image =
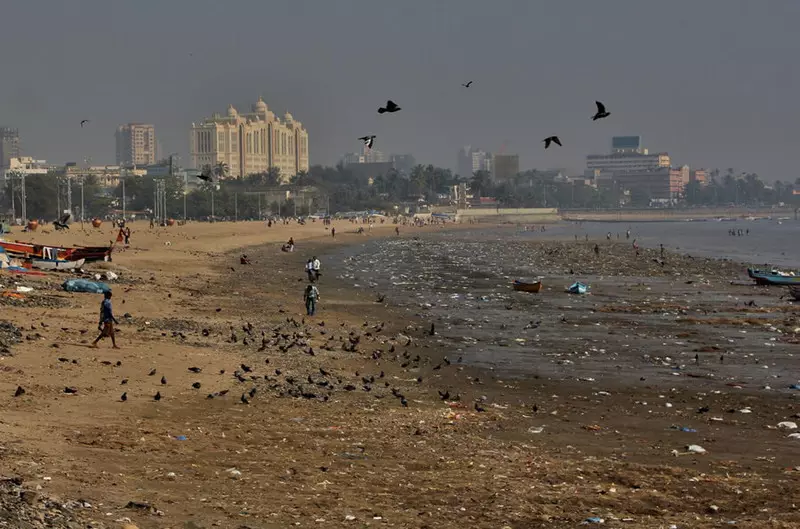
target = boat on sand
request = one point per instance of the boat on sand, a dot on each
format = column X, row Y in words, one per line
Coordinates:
column 522, row 286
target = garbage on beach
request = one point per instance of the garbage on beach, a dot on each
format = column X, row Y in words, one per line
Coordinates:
column 578, row 288
column 84, row 285
column 107, row 276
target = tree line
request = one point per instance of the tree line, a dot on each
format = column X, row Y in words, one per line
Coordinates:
column 340, row 188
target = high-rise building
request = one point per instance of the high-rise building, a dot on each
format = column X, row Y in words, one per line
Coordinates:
column 504, row 167
column 627, row 145
column 627, row 154
column 700, row 176
column 9, row 146
column 471, row 160
column 251, row 143
column 136, row 144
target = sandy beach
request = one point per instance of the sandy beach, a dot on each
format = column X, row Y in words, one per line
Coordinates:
column 358, row 417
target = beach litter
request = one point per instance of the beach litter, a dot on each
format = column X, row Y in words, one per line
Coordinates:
column 787, row 425
column 84, row 285
column 695, row 449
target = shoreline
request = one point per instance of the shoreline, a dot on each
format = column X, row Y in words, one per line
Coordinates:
column 369, row 446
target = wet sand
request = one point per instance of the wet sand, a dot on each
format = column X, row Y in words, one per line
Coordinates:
column 326, row 439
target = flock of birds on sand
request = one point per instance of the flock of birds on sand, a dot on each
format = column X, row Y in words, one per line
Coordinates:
column 392, row 107
column 319, row 383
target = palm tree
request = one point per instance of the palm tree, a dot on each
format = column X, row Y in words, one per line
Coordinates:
column 481, row 182
column 221, row 170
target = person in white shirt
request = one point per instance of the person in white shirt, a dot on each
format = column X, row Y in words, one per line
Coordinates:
column 310, row 270
column 315, row 266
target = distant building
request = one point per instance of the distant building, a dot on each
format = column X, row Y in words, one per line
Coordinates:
column 108, row 176
column 616, row 162
column 251, row 143
column 471, row 160
column 9, row 146
column 661, row 184
column 504, row 167
column 700, row 176
column 679, row 179
column 136, row 144
column 627, row 145
column 403, row 163
column 24, row 165
column 367, row 155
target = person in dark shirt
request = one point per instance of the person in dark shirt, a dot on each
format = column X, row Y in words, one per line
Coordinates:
column 107, row 321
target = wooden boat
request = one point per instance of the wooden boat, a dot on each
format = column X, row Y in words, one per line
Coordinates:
column 26, row 250
column 56, row 264
column 794, row 291
column 772, row 278
column 521, row 286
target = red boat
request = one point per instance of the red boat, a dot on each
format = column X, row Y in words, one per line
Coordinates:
column 26, row 250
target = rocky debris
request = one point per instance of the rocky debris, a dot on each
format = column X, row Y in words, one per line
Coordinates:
column 10, row 334
column 27, row 509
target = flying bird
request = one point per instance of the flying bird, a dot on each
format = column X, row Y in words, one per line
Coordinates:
column 551, row 139
column 466, row 85
column 84, row 122
column 390, row 107
column 601, row 111
column 369, row 141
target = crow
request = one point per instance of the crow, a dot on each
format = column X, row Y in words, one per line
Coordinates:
column 84, row 122
column 601, row 111
column 369, row 141
column 124, row 397
column 467, row 84
column 390, row 107
column 157, row 396
column 551, row 139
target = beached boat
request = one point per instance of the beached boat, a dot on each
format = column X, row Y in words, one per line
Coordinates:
column 794, row 291
column 773, row 277
column 521, row 286
column 56, row 264
column 578, row 288
column 26, row 250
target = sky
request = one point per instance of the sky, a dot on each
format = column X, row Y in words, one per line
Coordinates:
column 711, row 82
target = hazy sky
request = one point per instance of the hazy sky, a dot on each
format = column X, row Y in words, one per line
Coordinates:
column 712, row 82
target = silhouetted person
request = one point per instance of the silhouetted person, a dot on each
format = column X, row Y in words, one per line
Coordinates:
column 107, row 321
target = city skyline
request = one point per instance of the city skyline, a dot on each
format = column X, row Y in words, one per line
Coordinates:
column 710, row 100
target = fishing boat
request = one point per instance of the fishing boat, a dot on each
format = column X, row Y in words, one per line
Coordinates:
column 794, row 291
column 56, row 264
column 578, row 288
column 26, row 250
column 773, row 277
column 522, row 286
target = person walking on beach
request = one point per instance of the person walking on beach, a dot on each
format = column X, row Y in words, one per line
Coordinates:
column 333, row 232
column 127, row 236
column 311, row 296
column 662, row 250
column 107, row 321
column 310, row 270
column 315, row 267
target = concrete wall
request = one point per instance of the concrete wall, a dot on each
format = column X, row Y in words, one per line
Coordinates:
column 508, row 214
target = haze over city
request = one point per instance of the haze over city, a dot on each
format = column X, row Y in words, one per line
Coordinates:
column 710, row 82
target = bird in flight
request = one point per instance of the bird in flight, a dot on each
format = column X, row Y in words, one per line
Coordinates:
column 84, row 122
column 368, row 141
column 466, row 85
column 390, row 107
column 551, row 139
column 601, row 111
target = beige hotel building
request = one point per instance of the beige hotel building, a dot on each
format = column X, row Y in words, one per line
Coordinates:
column 251, row 143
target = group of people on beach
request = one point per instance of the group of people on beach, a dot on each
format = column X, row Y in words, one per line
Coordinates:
column 738, row 232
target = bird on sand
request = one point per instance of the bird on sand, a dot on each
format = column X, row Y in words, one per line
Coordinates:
column 20, row 391
column 152, row 372
column 601, row 111
column 84, row 122
column 552, row 139
column 196, row 385
column 124, row 397
column 369, row 141
column 157, row 396
column 390, row 107
column 467, row 84
column 164, row 380
column 195, row 369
